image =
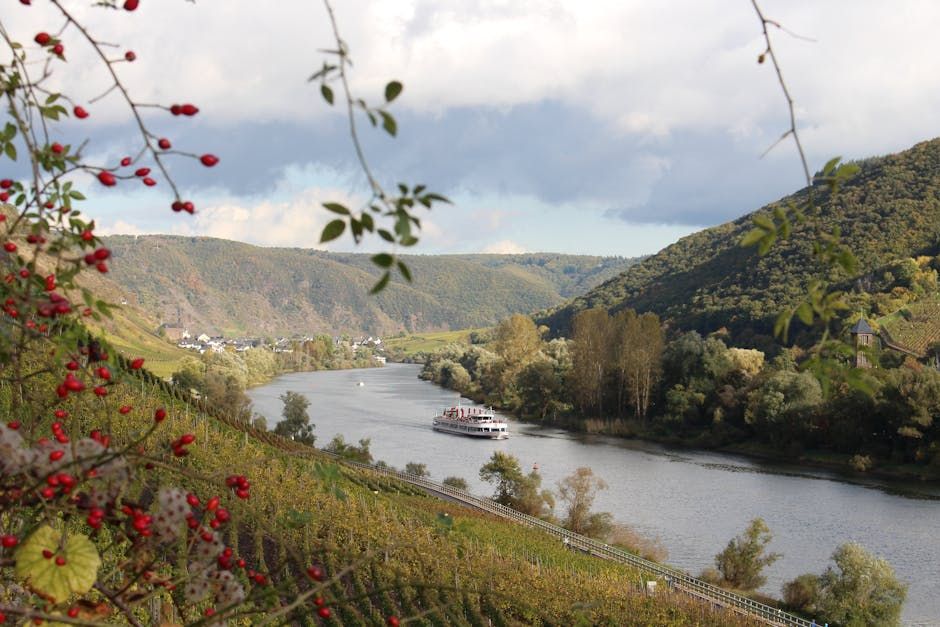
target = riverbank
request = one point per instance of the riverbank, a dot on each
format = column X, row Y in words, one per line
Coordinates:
column 707, row 440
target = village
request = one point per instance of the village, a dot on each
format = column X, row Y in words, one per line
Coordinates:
column 203, row 343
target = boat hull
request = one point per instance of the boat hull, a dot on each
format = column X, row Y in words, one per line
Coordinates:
column 471, row 431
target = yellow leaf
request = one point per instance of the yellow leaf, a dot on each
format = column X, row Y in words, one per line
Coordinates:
column 76, row 575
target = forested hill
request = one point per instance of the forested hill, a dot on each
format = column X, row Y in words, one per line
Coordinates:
column 706, row 281
column 236, row 288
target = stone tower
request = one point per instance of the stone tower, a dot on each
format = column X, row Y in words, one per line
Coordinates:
column 864, row 338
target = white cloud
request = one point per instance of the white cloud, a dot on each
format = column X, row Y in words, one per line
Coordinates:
column 505, row 247
column 120, row 227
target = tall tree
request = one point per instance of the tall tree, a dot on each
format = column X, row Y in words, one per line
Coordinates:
column 514, row 489
column 578, row 490
column 744, row 559
column 296, row 423
column 861, row 590
column 590, row 338
column 517, row 342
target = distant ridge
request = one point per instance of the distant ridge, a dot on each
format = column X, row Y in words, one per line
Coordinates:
column 236, row 288
column 706, row 281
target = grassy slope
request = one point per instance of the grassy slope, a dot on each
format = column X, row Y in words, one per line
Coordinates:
column 416, row 343
column 891, row 209
column 478, row 568
column 916, row 326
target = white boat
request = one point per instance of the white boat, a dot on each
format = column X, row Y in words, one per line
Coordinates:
column 476, row 422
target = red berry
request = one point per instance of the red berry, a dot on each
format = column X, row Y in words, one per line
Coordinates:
column 57, row 148
column 319, row 602
column 164, row 143
column 46, row 553
column 159, row 415
column 315, row 573
column 60, row 414
column 102, row 253
column 42, row 38
column 149, row 182
column 101, row 391
column 177, row 206
column 10, row 247
column 60, row 561
column 142, row 172
column 130, row 56
column 209, row 160
column 188, row 109
column 80, row 113
column 9, row 541
column 175, row 109
column 137, row 363
column 6, row 184
column 126, row 161
column 73, row 612
column 131, row 5
column 193, row 500
column 212, row 503
column 392, row 621
column 107, row 179
column 324, row 612
column 104, row 373
column 102, row 267
column 58, row 50
column 125, row 409
column 189, row 207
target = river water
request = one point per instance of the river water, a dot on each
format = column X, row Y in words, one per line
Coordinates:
column 693, row 501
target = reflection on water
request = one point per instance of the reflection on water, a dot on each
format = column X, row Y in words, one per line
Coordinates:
column 695, row 501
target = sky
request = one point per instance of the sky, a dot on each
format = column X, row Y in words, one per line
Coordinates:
column 608, row 127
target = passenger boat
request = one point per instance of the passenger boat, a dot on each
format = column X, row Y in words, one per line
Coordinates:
column 476, row 422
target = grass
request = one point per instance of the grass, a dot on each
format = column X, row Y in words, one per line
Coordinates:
column 914, row 327
column 418, row 343
column 415, row 553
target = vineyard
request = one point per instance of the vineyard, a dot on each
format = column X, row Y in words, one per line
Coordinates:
column 385, row 547
column 915, row 327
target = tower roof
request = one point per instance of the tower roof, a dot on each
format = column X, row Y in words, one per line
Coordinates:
column 860, row 327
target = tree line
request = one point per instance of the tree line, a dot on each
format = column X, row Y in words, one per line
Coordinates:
column 627, row 374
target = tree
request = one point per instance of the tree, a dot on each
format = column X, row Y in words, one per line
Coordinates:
column 578, row 490
column 638, row 348
column 296, row 423
column 741, row 563
column 590, row 339
column 361, row 453
column 517, row 342
column 417, row 469
column 456, row 482
column 860, row 590
column 515, row 489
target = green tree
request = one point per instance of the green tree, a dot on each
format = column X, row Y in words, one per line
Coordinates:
column 417, row 469
column 578, row 490
column 860, row 590
column 743, row 560
column 295, row 423
column 361, row 453
column 456, row 482
column 514, row 488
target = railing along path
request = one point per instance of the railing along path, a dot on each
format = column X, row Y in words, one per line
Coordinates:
column 672, row 577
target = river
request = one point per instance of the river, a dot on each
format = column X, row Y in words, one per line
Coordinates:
column 693, row 501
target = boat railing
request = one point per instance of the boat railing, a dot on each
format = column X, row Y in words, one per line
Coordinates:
column 672, row 577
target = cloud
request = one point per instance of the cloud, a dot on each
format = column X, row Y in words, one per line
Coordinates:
column 505, row 247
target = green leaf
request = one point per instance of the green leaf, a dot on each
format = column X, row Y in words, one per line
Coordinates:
column 764, row 222
column 752, row 237
column 405, row 272
column 383, row 260
column 76, row 195
column 782, row 325
column 327, row 93
column 388, row 123
column 332, row 230
column 805, row 313
column 367, row 222
column 392, row 90
column 388, row 237
column 830, row 165
column 76, row 576
column 408, row 240
column 10, row 151
column 335, row 207
column 381, row 285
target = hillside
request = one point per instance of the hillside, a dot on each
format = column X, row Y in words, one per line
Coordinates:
column 236, row 288
column 706, row 281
